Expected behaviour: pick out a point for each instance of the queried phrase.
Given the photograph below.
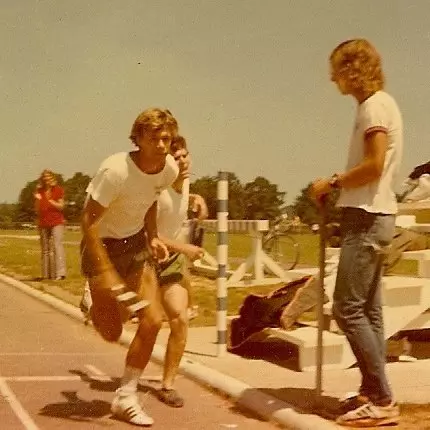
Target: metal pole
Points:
(320, 304)
(222, 256)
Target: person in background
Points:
(49, 205)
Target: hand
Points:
(158, 250)
(193, 252)
(184, 172)
(319, 189)
(199, 207)
(37, 196)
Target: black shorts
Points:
(127, 255)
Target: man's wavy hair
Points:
(152, 120)
(360, 63)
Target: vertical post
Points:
(222, 255)
(258, 228)
(320, 306)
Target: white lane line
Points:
(41, 378)
(13, 354)
(16, 406)
(96, 374)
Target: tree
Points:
(207, 188)
(263, 200)
(236, 198)
(25, 211)
(7, 214)
(74, 195)
(307, 210)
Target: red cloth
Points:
(48, 215)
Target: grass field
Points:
(20, 257)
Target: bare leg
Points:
(150, 317)
(126, 404)
(175, 302)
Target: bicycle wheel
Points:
(283, 249)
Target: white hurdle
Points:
(258, 260)
(251, 271)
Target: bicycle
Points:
(280, 245)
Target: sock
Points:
(87, 295)
(129, 381)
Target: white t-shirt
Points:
(378, 112)
(127, 193)
(173, 211)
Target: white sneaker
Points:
(193, 312)
(85, 305)
(370, 415)
(128, 409)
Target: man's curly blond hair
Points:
(152, 120)
(359, 63)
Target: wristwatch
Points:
(334, 181)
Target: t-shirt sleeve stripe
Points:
(375, 129)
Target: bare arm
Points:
(192, 252)
(92, 213)
(198, 206)
(370, 169)
(158, 248)
(58, 204)
(151, 222)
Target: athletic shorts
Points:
(172, 271)
(127, 255)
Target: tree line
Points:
(258, 199)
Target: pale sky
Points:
(248, 81)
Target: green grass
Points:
(20, 257)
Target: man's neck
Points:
(363, 96)
(144, 163)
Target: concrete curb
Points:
(264, 405)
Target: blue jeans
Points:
(357, 302)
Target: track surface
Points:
(55, 373)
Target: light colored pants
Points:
(53, 257)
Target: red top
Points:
(48, 215)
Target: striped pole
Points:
(320, 308)
(222, 255)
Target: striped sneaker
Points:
(128, 409)
(370, 415)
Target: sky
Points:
(248, 81)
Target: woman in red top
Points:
(49, 204)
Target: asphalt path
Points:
(56, 373)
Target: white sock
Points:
(87, 295)
(129, 381)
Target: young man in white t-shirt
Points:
(173, 205)
(369, 206)
(120, 237)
